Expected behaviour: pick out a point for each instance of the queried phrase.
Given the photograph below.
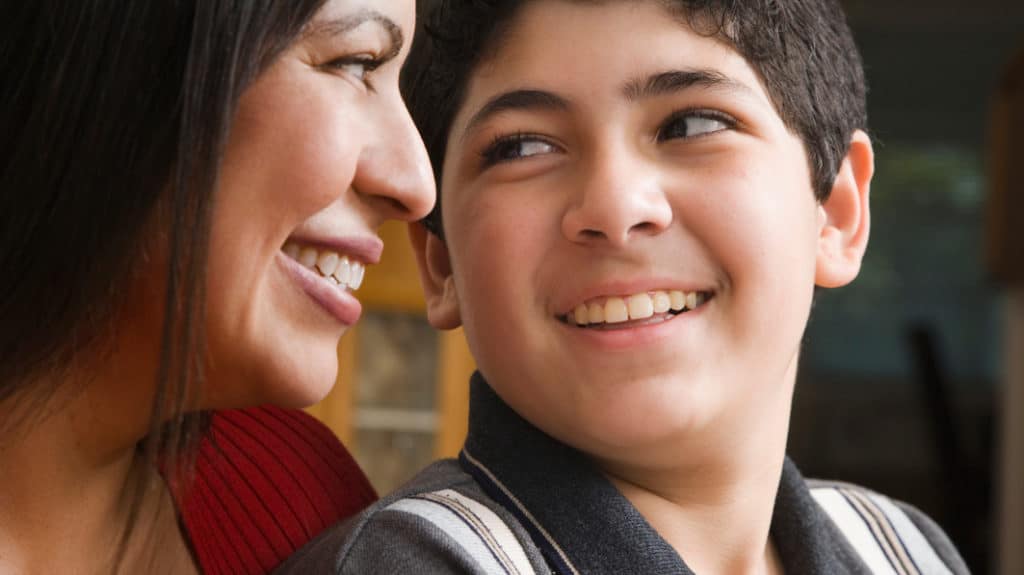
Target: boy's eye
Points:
(517, 147)
(694, 123)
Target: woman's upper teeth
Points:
(637, 306)
(331, 265)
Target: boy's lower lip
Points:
(632, 335)
(338, 303)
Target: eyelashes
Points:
(689, 124)
(515, 147)
(359, 67)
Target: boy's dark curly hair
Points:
(803, 51)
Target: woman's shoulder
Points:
(883, 530)
(267, 480)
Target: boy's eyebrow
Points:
(671, 81)
(517, 100)
(344, 24)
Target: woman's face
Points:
(321, 152)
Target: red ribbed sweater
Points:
(267, 480)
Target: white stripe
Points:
(522, 509)
(854, 528)
(503, 536)
(913, 540)
(450, 523)
(883, 531)
(456, 527)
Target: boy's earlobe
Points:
(846, 217)
(436, 278)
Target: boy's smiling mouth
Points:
(625, 311)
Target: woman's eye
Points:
(518, 147)
(693, 124)
(359, 67)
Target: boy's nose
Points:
(393, 173)
(618, 199)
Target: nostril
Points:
(388, 207)
(413, 202)
(399, 209)
(645, 228)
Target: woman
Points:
(190, 192)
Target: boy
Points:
(637, 201)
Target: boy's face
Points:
(605, 157)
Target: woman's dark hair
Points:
(115, 115)
(803, 51)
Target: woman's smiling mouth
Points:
(339, 270)
(330, 270)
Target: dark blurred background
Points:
(904, 371)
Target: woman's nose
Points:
(394, 171)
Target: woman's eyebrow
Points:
(527, 99)
(344, 24)
(671, 81)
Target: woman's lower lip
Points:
(337, 302)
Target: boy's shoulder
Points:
(441, 521)
(885, 533)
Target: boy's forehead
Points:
(585, 50)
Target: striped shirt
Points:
(519, 502)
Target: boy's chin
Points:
(651, 436)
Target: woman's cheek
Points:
(320, 166)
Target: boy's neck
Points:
(715, 527)
(715, 507)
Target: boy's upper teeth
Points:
(637, 306)
(339, 269)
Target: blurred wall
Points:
(1012, 493)
(866, 408)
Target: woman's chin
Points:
(305, 396)
(285, 381)
(303, 387)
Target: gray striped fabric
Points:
(879, 531)
(481, 533)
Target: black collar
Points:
(584, 525)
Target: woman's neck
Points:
(65, 483)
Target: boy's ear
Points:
(846, 217)
(436, 277)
